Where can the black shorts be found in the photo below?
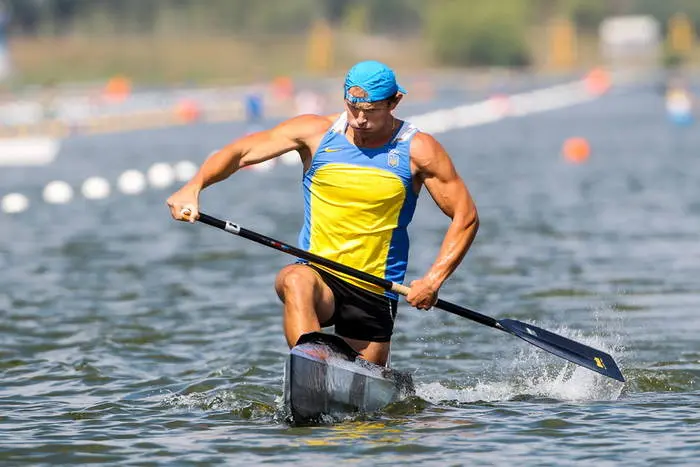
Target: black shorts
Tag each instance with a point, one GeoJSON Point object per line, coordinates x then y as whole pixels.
{"type": "Point", "coordinates": [359, 313]}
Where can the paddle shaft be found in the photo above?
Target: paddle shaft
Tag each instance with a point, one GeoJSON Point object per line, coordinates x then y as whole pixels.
{"type": "Point", "coordinates": [561, 346]}
{"type": "Point", "coordinates": [236, 229]}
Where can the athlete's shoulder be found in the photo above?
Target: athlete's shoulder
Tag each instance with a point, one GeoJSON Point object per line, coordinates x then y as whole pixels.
{"type": "Point", "coordinates": [427, 154]}
{"type": "Point", "coordinates": [303, 126]}
{"type": "Point", "coordinates": [315, 119]}
{"type": "Point", "coordinates": [425, 145]}
{"type": "Point", "coordinates": [307, 124]}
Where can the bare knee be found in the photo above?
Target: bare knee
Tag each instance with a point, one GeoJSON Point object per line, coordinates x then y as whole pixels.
{"type": "Point", "coordinates": [294, 278]}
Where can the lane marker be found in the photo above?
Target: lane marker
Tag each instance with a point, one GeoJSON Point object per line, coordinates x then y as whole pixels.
{"type": "Point", "coordinates": [131, 182]}
{"type": "Point", "coordinates": [162, 175]}
{"type": "Point", "coordinates": [14, 203]}
{"type": "Point", "coordinates": [290, 158]}
{"type": "Point", "coordinates": [185, 170]}
{"type": "Point", "coordinates": [95, 188]}
{"type": "Point", "coordinates": [58, 192]}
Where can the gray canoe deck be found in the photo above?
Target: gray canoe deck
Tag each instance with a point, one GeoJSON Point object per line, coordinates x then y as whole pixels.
{"type": "Point", "coordinates": [325, 376]}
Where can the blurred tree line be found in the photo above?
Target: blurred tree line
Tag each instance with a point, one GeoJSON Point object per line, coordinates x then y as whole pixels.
{"type": "Point", "coordinates": [459, 32]}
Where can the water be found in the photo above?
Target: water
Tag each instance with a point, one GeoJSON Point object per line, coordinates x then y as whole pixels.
{"type": "Point", "coordinates": [129, 338]}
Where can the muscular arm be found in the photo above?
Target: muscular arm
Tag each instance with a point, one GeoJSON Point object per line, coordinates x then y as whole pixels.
{"type": "Point", "coordinates": [296, 133]}
{"type": "Point", "coordinates": [259, 147]}
{"type": "Point", "coordinates": [435, 169]}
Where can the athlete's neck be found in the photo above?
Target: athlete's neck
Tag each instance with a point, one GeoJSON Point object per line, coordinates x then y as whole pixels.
{"type": "Point", "coordinates": [372, 140]}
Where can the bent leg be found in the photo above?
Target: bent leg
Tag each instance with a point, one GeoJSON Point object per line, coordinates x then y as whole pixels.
{"type": "Point", "coordinates": [308, 301]}
{"type": "Point", "coordinates": [375, 352]}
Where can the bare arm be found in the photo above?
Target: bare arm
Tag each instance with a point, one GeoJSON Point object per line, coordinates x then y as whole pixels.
{"type": "Point", "coordinates": [437, 172]}
{"type": "Point", "coordinates": [292, 134]}
{"type": "Point", "coordinates": [258, 147]}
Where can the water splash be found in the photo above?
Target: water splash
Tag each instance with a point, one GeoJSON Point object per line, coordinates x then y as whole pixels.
{"type": "Point", "coordinates": [532, 373]}
{"type": "Point", "coordinates": [221, 400]}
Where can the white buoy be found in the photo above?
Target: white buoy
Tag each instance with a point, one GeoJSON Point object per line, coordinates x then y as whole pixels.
{"type": "Point", "coordinates": [185, 170]}
{"type": "Point", "coordinates": [131, 182]}
{"type": "Point", "coordinates": [14, 203]}
{"type": "Point", "coordinates": [161, 175]}
{"type": "Point", "coordinates": [265, 166]}
{"type": "Point", "coordinates": [95, 188]}
{"type": "Point", "coordinates": [290, 158]}
{"type": "Point", "coordinates": [58, 192]}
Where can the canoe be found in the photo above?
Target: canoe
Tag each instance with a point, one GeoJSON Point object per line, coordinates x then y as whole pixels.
{"type": "Point", "coordinates": [324, 376]}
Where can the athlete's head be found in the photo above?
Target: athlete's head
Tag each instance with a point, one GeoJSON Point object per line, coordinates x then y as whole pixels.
{"type": "Point", "coordinates": [371, 94]}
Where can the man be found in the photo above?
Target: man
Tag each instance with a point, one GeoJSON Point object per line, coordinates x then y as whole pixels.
{"type": "Point", "coordinates": [363, 170]}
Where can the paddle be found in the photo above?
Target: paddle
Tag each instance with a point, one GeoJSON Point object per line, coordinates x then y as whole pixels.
{"type": "Point", "coordinates": [563, 347]}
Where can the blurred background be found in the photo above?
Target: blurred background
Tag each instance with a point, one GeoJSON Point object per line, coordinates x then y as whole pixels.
{"type": "Point", "coordinates": [71, 66]}
{"type": "Point", "coordinates": [223, 41]}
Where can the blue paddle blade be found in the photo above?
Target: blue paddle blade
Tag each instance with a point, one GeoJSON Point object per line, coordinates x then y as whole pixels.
{"type": "Point", "coordinates": [575, 352]}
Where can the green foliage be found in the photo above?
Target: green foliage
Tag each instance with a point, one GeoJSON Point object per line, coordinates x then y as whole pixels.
{"type": "Point", "coordinates": [671, 59]}
{"type": "Point", "coordinates": [283, 16]}
{"type": "Point", "coordinates": [588, 14]}
{"type": "Point", "coordinates": [268, 16]}
{"type": "Point", "coordinates": [459, 32]}
{"type": "Point", "coordinates": [493, 35]}
{"type": "Point", "coordinates": [394, 15]}
{"type": "Point", "coordinates": [663, 10]}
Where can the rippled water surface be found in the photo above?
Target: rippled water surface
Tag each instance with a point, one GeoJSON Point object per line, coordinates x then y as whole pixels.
{"type": "Point", "coordinates": [129, 338]}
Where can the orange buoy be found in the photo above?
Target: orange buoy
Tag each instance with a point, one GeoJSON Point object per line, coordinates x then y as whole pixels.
{"type": "Point", "coordinates": [187, 111]}
{"type": "Point", "coordinates": [598, 81]}
{"type": "Point", "coordinates": [283, 88]}
{"type": "Point", "coordinates": [117, 89]}
{"type": "Point", "coordinates": [576, 150]}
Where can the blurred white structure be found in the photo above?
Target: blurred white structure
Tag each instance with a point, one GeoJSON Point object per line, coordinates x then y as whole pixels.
{"type": "Point", "coordinates": [309, 102]}
{"type": "Point", "coordinates": [28, 151]}
{"type": "Point", "coordinates": [630, 40]}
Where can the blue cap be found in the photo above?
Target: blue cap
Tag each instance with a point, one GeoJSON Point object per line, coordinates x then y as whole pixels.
{"type": "Point", "coordinates": [375, 78]}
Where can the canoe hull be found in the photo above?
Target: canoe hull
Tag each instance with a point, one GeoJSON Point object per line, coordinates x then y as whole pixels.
{"type": "Point", "coordinates": [324, 376]}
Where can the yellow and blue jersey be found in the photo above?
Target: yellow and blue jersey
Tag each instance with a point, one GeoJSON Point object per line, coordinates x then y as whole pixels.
{"type": "Point", "coordinates": [358, 203]}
